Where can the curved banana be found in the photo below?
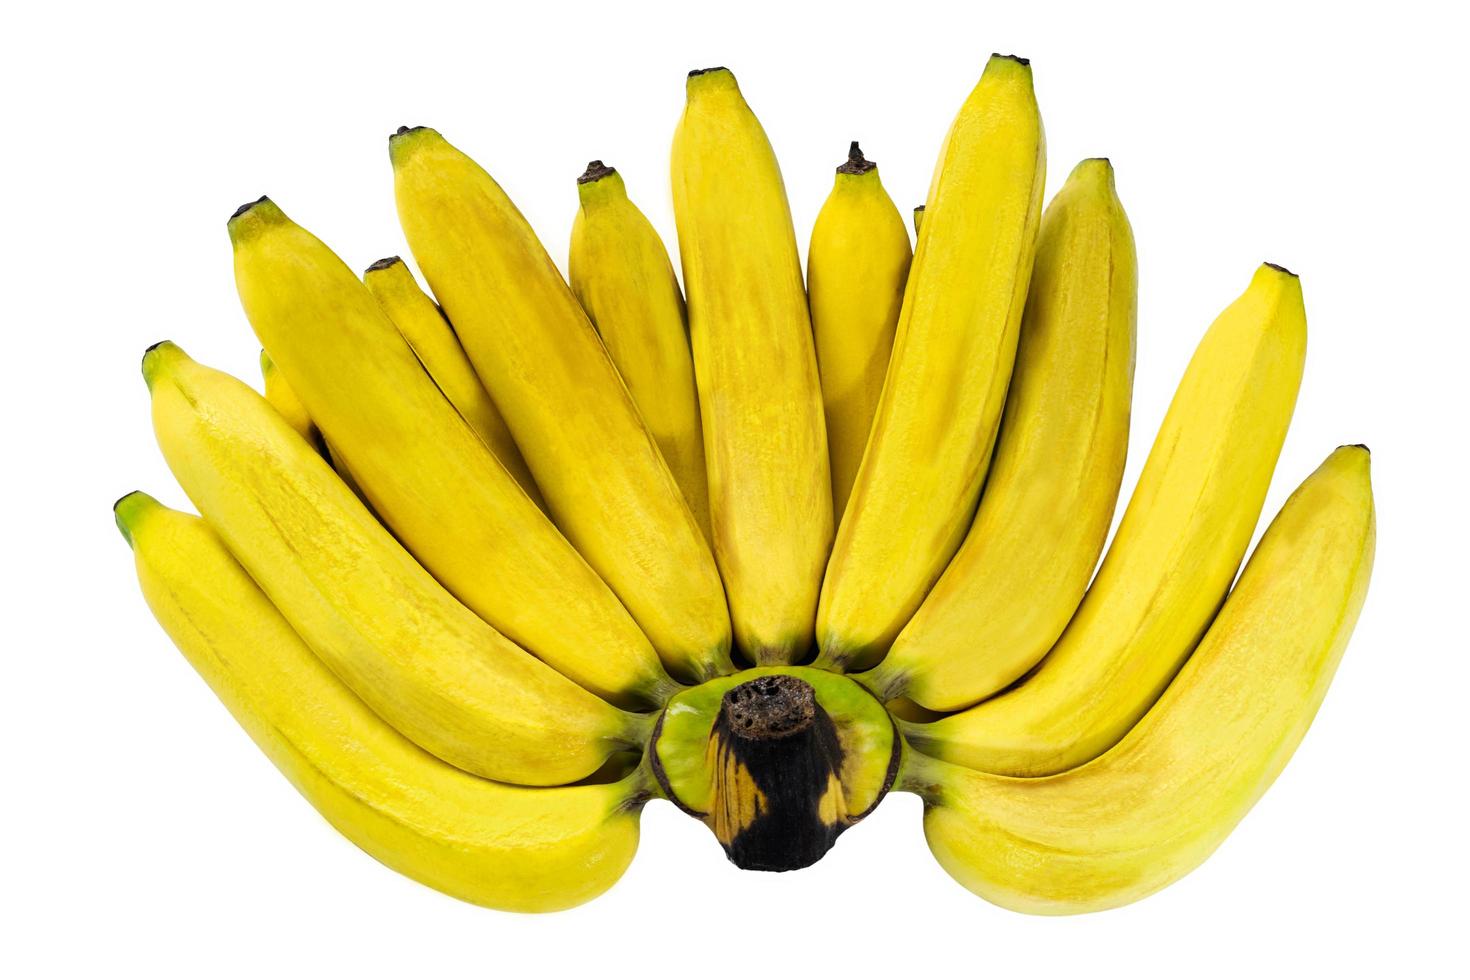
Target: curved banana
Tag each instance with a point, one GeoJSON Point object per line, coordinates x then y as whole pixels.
{"type": "Point", "coordinates": [444, 494]}
{"type": "Point", "coordinates": [1048, 501]}
{"type": "Point", "coordinates": [507, 847]}
{"type": "Point", "coordinates": [620, 271]}
{"type": "Point", "coordinates": [595, 461]}
{"type": "Point", "coordinates": [1172, 560]}
{"type": "Point", "coordinates": [426, 664]}
{"type": "Point", "coordinates": [857, 265]}
{"type": "Point", "coordinates": [759, 396]}
{"type": "Point", "coordinates": [930, 445]}
{"type": "Point", "coordinates": [420, 322]}
{"type": "Point", "coordinates": [1159, 802]}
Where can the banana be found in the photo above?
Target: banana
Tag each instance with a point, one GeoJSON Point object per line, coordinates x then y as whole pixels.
{"type": "Point", "coordinates": [857, 265]}
{"type": "Point", "coordinates": [1159, 802]}
{"type": "Point", "coordinates": [1173, 558]}
{"type": "Point", "coordinates": [427, 474]}
{"type": "Point", "coordinates": [506, 847]}
{"type": "Point", "coordinates": [918, 219]}
{"type": "Point", "coordinates": [595, 461]}
{"type": "Point", "coordinates": [931, 441]}
{"type": "Point", "coordinates": [283, 398]}
{"type": "Point", "coordinates": [422, 661]}
{"type": "Point", "coordinates": [1048, 501]}
{"type": "Point", "coordinates": [420, 322]}
{"type": "Point", "coordinates": [759, 395]}
{"type": "Point", "coordinates": [620, 271]}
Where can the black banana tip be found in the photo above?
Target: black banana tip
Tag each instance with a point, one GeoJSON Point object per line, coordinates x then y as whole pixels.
{"type": "Point", "coordinates": [1359, 445]}
{"type": "Point", "coordinates": [246, 207]}
{"type": "Point", "coordinates": [387, 263]}
{"type": "Point", "coordinates": [596, 170]}
{"type": "Point", "coordinates": [1282, 269]}
{"type": "Point", "coordinates": [1012, 57]}
{"type": "Point", "coordinates": [404, 131]}
{"type": "Point", "coordinates": [856, 163]}
{"type": "Point", "coordinates": [705, 71]}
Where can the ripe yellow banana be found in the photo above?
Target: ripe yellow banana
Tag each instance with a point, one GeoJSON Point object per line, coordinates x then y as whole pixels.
{"type": "Point", "coordinates": [422, 661]}
{"type": "Point", "coordinates": [1159, 802]}
{"type": "Point", "coordinates": [620, 271]}
{"type": "Point", "coordinates": [428, 475]}
{"type": "Point", "coordinates": [857, 265]}
{"type": "Point", "coordinates": [759, 395]}
{"type": "Point", "coordinates": [932, 436]}
{"type": "Point", "coordinates": [420, 322]}
{"type": "Point", "coordinates": [595, 461]}
{"type": "Point", "coordinates": [1053, 483]}
{"type": "Point", "coordinates": [1172, 560]}
{"type": "Point", "coordinates": [507, 847]}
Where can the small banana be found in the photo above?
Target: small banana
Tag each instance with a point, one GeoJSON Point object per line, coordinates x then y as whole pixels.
{"type": "Point", "coordinates": [927, 454]}
{"type": "Point", "coordinates": [444, 494]}
{"type": "Point", "coordinates": [1158, 803]}
{"type": "Point", "coordinates": [1169, 566]}
{"type": "Point", "coordinates": [621, 273]}
{"type": "Point", "coordinates": [422, 661]}
{"type": "Point", "coordinates": [759, 396]}
{"type": "Point", "coordinates": [596, 463]}
{"type": "Point", "coordinates": [857, 265]}
{"type": "Point", "coordinates": [1048, 502]}
{"type": "Point", "coordinates": [506, 847]}
{"type": "Point", "coordinates": [420, 322]}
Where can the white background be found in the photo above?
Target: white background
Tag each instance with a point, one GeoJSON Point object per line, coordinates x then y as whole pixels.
{"type": "Point", "coordinates": [145, 834]}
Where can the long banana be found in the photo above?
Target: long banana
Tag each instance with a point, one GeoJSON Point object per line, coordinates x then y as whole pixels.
{"type": "Point", "coordinates": [595, 461]}
{"type": "Point", "coordinates": [420, 322]}
{"type": "Point", "coordinates": [932, 436]}
{"type": "Point", "coordinates": [1172, 560]}
{"type": "Point", "coordinates": [857, 265]}
{"type": "Point", "coordinates": [422, 661]}
{"type": "Point", "coordinates": [759, 395]}
{"type": "Point", "coordinates": [445, 495]}
{"type": "Point", "coordinates": [1159, 802]}
{"type": "Point", "coordinates": [507, 847]}
{"type": "Point", "coordinates": [1049, 498]}
{"type": "Point", "coordinates": [621, 273]}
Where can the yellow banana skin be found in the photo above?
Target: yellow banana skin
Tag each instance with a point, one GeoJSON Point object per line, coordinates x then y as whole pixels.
{"type": "Point", "coordinates": [1169, 566]}
{"type": "Point", "coordinates": [918, 218]}
{"type": "Point", "coordinates": [596, 463]}
{"type": "Point", "coordinates": [506, 847]}
{"type": "Point", "coordinates": [759, 395]}
{"type": "Point", "coordinates": [1049, 498]}
{"type": "Point", "coordinates": [1158, 803]}
{"type": "Point", "coordinates": [433, 481]}
{"type": "Point", "coordinates": [421, 323]}
{"type": "Point", "coordinates": [621, 274]}
{"type": "Point", "coordinates": [425, 663]}
{"type": "Point", "coordinates": [857, 265]}
{"type": "Point", "coordinates": [931, 440]}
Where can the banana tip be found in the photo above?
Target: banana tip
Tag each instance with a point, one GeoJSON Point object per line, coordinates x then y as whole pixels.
{"type": "Point", "coordinates": [856, 164]}
{"type": "Point", "coordinates": [152, 358]}
{"type": "Point", "coordinates": [1281, 268]}
{"type": "Point", "coordinates": [1023, 62]}
{"type": "Point", "coordinates": [242, 209]}
{"type": "Point", "coordinates": [382, 264]}
{"type": "Point", "coordinates": [126, 510]}
{"type": "Point", "coordinates": [596, 170]}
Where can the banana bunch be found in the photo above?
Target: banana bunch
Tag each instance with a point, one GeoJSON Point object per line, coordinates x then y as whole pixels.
{"type": "Point", "coordinates": [493, 563]}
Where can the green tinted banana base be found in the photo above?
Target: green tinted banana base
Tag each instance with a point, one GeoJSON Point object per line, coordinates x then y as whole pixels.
{"type": "Point", "coordinates": [776, 761]}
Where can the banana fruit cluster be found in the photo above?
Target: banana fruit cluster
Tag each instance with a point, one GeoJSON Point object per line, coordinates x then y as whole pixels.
{"type": "Point", "coordinates": [495, 560]}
